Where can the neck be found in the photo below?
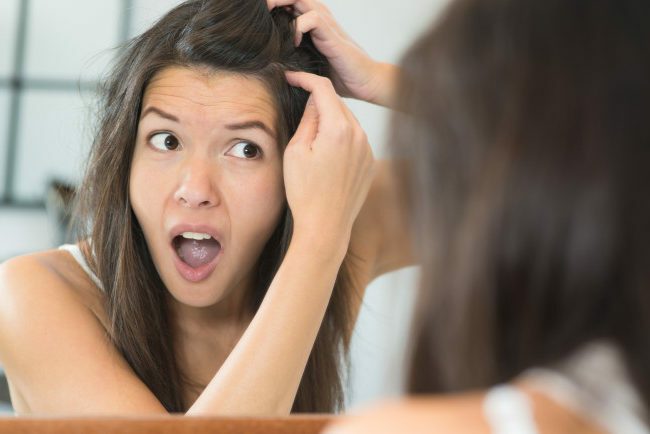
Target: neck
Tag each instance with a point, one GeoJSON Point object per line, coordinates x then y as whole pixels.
{"type": "Point", "coordinates": [205, 336]}
{"type": "Point", "coordinates": [198, 323]}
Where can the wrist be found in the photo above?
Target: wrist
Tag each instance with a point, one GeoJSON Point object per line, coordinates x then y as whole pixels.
{"type": "Point", "coordinates": [325, 245]}
{"type": "Point", "coordinates": [386, 83]}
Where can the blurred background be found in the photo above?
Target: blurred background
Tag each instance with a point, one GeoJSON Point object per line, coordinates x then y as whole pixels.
{"type": "Point", "coordinates": [52, 56]}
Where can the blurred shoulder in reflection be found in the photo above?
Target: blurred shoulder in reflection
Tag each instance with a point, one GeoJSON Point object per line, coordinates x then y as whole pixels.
{"type": "Point", "coordinates": [528, 150]}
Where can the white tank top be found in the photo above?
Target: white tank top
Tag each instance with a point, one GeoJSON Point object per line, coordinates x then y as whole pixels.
{"type": "Point", "coordinates": [75, 251]}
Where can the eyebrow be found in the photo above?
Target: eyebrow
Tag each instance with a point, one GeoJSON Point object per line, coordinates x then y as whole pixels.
{"type": "Point", "coordinates": [160, 113]}
{"type": "Point", "coordinates": [236, 126]}
{"type": "Point", "coordinates": [252, 125]}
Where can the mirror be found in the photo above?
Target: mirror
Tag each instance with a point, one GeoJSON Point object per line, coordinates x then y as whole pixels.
{"type": "Point", "coordinates": [53, 55]}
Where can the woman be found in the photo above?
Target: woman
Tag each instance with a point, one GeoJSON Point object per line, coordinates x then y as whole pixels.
{"type": "Point", "coordinates": [528, 154]}
{"type": "Point", "coordinates": [210, 248]}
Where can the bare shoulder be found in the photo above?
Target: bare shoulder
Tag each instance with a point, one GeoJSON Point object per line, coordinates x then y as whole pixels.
{"type": "Point", "coordinates": [53, 276]}
{"type": "Point", "coordinates": [551, 416]}
{"type": "Point", "coordinates": [41, 294]}
{"type": "Point", "coordinates": [459, 414]}
{"type": "Point", "coordinates": [53, 343]}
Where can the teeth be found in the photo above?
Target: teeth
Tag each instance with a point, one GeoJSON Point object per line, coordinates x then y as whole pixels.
{"type": "Point", "coordinates": [195, 236]}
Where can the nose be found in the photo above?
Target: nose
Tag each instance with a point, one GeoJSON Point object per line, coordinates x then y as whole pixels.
{"type": "Point", "coordinates": [197, 188]}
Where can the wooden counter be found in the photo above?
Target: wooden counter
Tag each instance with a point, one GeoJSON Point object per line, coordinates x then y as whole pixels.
{"type": "Point", "coordinates": [164, 424]}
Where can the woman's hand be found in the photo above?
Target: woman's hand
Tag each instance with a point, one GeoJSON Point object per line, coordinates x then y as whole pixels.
{"type": "Point", "coordinates": [355, 74]}
{"type": "Point", "coordinates": [328, 166]}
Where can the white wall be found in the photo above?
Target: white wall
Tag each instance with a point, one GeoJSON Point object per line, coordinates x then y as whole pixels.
{"type": "Point", "coordinates": [383, 27]}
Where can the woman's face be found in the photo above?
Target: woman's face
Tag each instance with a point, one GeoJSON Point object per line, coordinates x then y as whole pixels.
{"type": "Point", "coordinates": [206, 180]}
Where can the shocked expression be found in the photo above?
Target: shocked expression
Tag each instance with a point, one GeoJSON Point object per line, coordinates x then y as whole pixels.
{"type": "Point", "coordinates": [206, 180]}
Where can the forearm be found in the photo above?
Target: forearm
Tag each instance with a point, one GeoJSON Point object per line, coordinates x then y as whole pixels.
{"type": "Point", "coordinates": [263, 372]}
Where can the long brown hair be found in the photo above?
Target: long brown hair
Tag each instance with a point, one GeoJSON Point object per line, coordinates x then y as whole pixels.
{"type": "Point", "coordinates": [235, 36]}
{"type": "Point", "coordinates": [528, 146]}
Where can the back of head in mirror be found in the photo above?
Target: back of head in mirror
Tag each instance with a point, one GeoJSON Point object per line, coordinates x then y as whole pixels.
{"type": "Point", "coordinates": [527, 144]}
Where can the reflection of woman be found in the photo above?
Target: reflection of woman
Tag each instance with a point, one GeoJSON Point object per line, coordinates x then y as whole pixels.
{"type": "Point", "coordinates": [197, 289]}
{"type": "Point", "coordinates": [529, 152]}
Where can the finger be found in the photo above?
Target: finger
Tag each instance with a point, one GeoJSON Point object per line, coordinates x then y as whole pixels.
{"type": "Point", "coordinates": [312, 21]}
{"type": "Point", "coordinates": [357, 133]}
{"type": "Point", "coordinates": [349, 115]}
{"type": "Point", "coordinates": [326, 14]}
{"type": "Point", "coordinates": [301, 6]}
{"type": "Point", "coordinates": [324, 8]}
{"type": "Point", "coordinates": [308, 126]}
{"type": "Point", "coordinates": [336, 123]}
{"type": "Point", "coordinates": [326, 102]}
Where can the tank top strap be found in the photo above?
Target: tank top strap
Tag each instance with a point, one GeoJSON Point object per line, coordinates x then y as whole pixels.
{"type": "Point", "coordinates": [508, 410]}
{"type": "Point", "coordinates": [78, 256]}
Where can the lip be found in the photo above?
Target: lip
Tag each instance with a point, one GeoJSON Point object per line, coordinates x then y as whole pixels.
{"type": "Point", "coordinates": [187, 272]}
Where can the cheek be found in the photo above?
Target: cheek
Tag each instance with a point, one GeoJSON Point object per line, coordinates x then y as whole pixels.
{"type": "Point", "coordinates": [260, 201]}
{"type": "Point", "coordinates": [142, 192]}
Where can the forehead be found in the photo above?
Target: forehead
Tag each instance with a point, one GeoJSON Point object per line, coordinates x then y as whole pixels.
{"type": "Point", "coordinates": [201, 90]}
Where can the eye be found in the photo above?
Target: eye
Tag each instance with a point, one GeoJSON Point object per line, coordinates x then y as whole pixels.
{"type": "Point", "coordinates": [246, 150]}
{"type": "Point", "coordinates": [164, 141]}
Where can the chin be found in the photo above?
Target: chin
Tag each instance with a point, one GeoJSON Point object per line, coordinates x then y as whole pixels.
{"type": "Point", "coordinates": [196, 295]}
{"type": "Point", "coordinates": [200, 295]}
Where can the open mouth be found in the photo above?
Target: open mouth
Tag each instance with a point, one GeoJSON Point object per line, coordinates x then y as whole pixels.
{"type": "Point", "coordinates": [196, 249]}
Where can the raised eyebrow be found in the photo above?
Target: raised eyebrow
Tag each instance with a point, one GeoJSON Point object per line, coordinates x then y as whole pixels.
{"type": "Point", "coordinates": [160, 113]}
{"type": "Point", "coordinates": [252, 124]}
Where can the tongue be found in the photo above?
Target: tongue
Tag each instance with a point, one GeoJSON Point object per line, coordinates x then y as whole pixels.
{"type": "Point", "coordinates": [196, 253]}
